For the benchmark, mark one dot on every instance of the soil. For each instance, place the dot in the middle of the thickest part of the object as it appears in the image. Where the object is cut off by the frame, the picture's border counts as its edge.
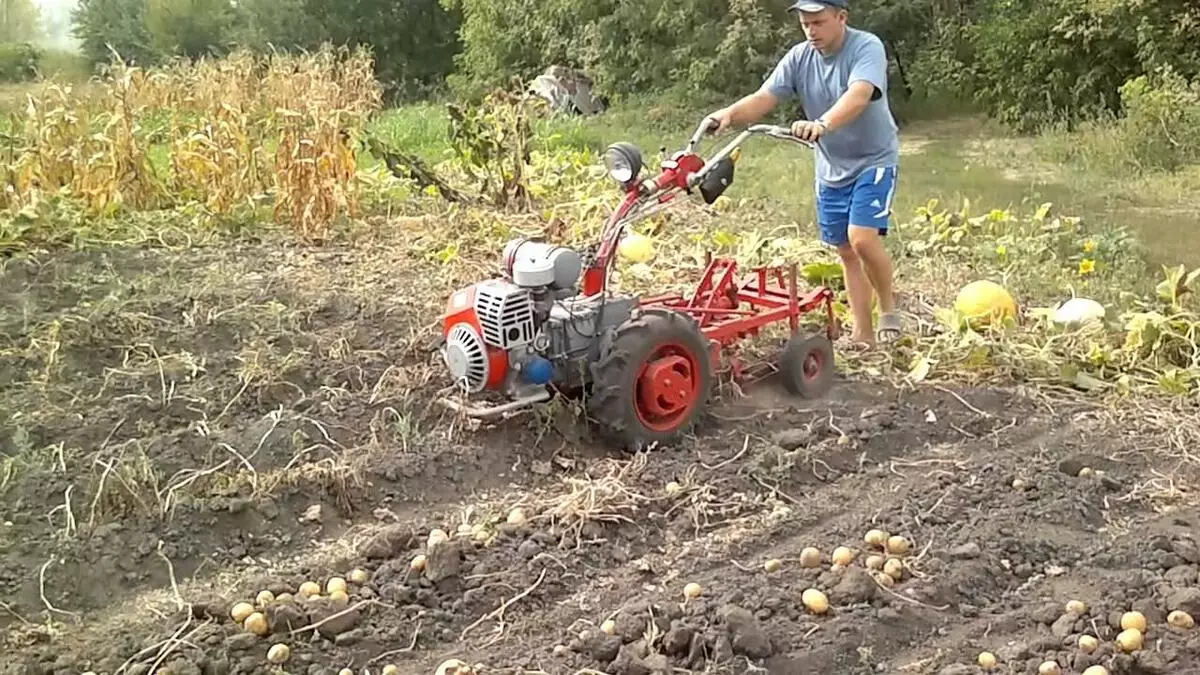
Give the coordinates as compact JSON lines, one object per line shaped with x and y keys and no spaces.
{"x":183,"y":430}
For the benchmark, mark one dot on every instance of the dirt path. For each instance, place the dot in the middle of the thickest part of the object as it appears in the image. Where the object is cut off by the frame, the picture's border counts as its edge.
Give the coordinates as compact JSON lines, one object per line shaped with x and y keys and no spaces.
{"x":187,"y":431}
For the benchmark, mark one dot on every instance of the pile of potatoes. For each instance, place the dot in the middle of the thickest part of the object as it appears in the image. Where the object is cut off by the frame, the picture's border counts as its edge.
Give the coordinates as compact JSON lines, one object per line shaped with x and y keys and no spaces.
{"x":884,"y":562}
{"x":1129,"y":640}
{"x":252,"y":617}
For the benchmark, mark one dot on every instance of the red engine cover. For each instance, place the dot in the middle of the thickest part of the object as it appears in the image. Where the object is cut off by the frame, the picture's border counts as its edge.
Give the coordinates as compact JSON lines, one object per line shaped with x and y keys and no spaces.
{"x":460,"y":309}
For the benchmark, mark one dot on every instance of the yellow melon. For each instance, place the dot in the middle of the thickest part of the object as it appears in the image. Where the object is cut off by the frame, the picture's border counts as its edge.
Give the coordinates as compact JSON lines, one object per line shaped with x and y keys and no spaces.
{"x":637,"y":248}
{"x":983,"y":302}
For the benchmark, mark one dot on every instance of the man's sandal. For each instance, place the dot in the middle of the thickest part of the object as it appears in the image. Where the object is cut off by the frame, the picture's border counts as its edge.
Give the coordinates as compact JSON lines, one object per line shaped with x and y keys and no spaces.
{"x":889,"y":329}
{"x":846,"y":343}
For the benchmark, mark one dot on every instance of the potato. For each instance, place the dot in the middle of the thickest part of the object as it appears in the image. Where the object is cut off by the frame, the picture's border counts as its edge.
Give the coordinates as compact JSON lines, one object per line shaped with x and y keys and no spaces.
{"x":773,"y":565}
{"x":339,"y":598}
{"x":884,"y":580}
{"x":436,"y":536}
{"x":264,"y":598}
{"x":875,"y":562}
{"x":1130,"y":640}
{"x":517,"y":517}
{"x":391,"y":669}
{"x":360,"y":576}
{"x":1181,"y":619}
{"x":815,"y":601}
{"x":810,"y":557}
{"x":897,"y":545}
{"x":1095,"y":670}
{"x":609,"y":627}
{"x":1088,"y":644}
{"x":1133,"y":620}
{"x":345,"y":671}
{"x":283,"y":598}
{"x":876,"y":538}
{"x":335,"y":584}
{"x":1076,"y":607}
{"x":894,"y":568}
{"x":278,"y":653}
{"x":308,"y":589}
{"x":987,"y":660}
{"x":256,"y":623}
{"x":842,"y":556}
{"x":418,"y":563}
{"x":692,"y":590}
{"x":1049,"y":668}
{"x":674,"y":489}
{"x":240,"y":611}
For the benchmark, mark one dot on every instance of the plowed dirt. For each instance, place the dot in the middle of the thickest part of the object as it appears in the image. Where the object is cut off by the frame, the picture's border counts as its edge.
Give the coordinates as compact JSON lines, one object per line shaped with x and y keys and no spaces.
{"x":183,"y":431}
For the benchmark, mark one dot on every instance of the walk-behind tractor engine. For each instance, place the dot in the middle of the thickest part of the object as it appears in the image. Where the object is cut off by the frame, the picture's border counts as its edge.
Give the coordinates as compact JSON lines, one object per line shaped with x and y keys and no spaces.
{"x":645,"y":365}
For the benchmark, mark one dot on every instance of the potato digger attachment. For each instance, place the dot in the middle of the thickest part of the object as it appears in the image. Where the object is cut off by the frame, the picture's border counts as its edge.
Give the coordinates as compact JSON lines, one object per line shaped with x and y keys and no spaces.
{"x":644,"y":365}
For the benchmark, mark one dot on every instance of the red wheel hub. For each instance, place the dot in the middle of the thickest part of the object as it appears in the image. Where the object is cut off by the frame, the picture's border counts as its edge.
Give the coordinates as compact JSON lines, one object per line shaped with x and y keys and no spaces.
{"x":668,"y":386}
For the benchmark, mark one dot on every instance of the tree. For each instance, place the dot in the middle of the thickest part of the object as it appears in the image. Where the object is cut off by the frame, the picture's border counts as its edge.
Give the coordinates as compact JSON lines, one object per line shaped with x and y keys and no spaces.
{"x":20,"y":21}
{"x":121,"y":24}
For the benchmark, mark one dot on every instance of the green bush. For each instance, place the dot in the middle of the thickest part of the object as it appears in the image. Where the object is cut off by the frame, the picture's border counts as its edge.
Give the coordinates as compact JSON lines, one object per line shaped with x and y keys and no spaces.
{"x":18,"y":62}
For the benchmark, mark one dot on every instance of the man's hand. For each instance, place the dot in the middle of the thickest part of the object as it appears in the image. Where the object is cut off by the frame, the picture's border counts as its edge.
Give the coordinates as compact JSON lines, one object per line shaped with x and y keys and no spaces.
{"x":723,"y":118}
{"x":808,"y":130}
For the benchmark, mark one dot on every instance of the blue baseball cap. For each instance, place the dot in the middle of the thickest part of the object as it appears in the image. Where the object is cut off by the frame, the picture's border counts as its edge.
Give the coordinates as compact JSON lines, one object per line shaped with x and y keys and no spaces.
{"x":819,"y":5}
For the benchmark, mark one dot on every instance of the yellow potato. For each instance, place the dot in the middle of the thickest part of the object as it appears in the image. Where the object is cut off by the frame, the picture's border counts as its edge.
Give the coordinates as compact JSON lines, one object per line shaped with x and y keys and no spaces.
{"x":1181,"y":619}
{"x":1133,"y":620}
{"x":842,"y":556}
{"x":876,"y":538}
{"x":360,"y":576}
{"x":773,"y":565}
{"x":1130,"y":640}
{"x":1076,"y":607}
{"x":987,"y":660}
{"x":692,"y":590}
{"x":815,"y":601}
{"x":897,"y":545}
{"x":257,"y":623}
{"x":1096,"y":670}
{"x":335,"y":584}
{"x":875,"y":562}
{"x":1049,"y":668}
{"x":278,"y":653}
{"x":308,"y":589}
{"x":1088,"y":644}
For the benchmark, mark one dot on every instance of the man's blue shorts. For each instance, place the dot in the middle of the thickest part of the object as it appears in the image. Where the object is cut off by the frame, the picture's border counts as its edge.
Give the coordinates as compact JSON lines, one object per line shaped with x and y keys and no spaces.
{"x":866,"y":202}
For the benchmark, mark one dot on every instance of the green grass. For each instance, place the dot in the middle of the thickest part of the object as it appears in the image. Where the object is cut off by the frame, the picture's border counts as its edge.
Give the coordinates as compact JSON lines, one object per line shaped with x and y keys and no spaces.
{"x":950,"y":159}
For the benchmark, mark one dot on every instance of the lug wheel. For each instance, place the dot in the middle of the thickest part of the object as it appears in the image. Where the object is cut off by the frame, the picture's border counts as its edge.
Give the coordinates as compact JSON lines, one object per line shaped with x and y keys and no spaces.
{"x":652,"y":379}
{"x":806,"y":365}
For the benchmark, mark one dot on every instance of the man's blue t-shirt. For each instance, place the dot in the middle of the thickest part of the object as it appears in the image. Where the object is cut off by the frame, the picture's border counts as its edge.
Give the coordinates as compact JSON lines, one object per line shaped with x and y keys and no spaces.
{"x":818,"y":81}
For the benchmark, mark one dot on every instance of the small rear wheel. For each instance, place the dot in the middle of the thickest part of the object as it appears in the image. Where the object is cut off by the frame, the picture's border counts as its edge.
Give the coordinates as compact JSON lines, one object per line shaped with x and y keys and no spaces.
{"x":652,"y":380}
{"x":806,"y":365}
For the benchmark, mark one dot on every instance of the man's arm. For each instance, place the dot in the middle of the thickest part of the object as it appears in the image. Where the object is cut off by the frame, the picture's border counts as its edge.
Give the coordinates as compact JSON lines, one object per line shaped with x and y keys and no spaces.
{"x":868,"y":81}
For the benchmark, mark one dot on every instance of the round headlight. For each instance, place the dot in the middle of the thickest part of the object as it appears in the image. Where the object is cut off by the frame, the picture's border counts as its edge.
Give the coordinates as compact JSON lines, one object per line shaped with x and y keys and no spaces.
{"x":623,"y":161}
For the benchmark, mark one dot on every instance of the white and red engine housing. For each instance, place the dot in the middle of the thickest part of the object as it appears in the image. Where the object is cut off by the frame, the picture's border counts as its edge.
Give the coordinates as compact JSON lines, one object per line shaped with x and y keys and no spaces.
{"x":483,"y":323}
{"x":492,"y":328}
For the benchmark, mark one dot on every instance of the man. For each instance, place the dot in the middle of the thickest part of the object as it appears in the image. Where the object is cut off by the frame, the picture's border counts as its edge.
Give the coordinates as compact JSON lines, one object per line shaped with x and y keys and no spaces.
{"x":840,"y":74}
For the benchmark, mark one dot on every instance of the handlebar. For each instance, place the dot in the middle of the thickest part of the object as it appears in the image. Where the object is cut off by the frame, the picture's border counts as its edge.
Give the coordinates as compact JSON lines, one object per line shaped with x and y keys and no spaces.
{"x":710,"y":124}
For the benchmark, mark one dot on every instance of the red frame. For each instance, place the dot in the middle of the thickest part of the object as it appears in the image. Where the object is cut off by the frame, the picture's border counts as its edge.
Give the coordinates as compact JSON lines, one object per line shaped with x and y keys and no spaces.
{"x":726,"y":308}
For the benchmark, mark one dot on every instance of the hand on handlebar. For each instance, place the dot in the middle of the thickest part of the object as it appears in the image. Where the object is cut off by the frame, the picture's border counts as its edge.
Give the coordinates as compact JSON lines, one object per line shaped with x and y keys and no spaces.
{"x":808,"y":130}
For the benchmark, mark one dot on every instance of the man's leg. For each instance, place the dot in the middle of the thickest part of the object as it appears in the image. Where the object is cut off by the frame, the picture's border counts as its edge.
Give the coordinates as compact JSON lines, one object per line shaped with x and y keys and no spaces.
{"x":833,"y":220}
{"x":870,"y":212}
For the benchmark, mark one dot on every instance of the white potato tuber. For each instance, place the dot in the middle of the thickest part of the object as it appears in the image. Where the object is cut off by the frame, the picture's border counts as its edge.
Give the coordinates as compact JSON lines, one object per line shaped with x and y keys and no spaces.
{"x":1181,"y":619}
{"x":517,"y":517}
{"x":987,"y":660}
{"x":1049,"y":668}
{"x":897,"y":545}
{"x":773,"y":565}
{"x":240,"y":611}
{"x":264,"y":598}
{"x":1076,"y":607}
{"x":336,"y":584}
{"x":876,"y":538}
{"x":278,"y":653}
{"x":810,"y":557}
{"x":691,"y":590}
{"x":360,"y":576}
{"x":1088,"y":644}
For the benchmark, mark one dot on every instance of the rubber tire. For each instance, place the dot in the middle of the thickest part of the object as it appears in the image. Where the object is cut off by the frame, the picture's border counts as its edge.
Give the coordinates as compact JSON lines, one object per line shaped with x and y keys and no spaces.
{"x":611,"y":404}
{"x":791,"y":365}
